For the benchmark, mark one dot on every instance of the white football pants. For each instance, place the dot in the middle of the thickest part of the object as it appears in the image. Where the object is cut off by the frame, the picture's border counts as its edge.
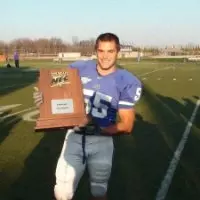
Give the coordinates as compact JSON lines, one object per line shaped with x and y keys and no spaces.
{"x":70,"y":168}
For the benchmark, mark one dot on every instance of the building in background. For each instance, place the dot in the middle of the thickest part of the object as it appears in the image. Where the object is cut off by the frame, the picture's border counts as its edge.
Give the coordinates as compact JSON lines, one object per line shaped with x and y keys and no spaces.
{"x":172,"y":51}
{"x":127,"y":52}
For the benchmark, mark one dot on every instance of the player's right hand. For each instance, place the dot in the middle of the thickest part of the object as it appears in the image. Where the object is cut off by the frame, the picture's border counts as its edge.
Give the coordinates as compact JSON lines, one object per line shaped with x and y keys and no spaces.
{"x":37,"y":96}
{"x":86,"y":122}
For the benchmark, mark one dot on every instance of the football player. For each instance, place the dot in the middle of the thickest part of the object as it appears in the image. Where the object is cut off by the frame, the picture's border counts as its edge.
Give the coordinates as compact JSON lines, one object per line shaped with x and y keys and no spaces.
{"x":110,"y":94}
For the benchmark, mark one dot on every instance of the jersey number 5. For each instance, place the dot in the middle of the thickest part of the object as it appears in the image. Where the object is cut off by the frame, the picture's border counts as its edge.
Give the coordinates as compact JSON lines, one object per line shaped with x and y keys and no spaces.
{"x":138,"y":94}
{"x":99,"y":106}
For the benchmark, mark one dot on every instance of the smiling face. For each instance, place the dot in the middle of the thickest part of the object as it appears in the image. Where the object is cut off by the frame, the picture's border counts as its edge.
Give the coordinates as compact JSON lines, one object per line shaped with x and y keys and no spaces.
{"x":107,"y":52}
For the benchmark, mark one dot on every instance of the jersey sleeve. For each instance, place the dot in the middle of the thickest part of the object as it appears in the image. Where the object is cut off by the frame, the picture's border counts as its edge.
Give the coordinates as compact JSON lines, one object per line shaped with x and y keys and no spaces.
{"x":77,"y":64}
{"x":130,"y":94}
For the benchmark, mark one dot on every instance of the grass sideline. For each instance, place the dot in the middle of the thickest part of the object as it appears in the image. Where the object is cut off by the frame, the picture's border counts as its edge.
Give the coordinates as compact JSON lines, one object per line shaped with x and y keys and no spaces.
{"x":27,"y":160}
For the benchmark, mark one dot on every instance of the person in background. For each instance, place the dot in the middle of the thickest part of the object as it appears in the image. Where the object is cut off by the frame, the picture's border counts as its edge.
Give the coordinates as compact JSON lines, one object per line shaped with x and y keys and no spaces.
{"x":16,"y":59}
{"x":7,"y":61}
{"x":138,"y":56}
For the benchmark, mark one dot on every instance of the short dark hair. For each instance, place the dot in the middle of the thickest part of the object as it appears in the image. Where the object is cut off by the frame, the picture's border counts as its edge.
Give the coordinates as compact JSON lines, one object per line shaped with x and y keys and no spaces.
{"x":108,"y":37}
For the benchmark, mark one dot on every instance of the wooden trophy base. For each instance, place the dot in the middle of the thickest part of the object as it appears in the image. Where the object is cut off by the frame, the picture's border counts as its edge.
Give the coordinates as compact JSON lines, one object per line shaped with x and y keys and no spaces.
{"x":43,"y":124}
{"x":63,"y":99}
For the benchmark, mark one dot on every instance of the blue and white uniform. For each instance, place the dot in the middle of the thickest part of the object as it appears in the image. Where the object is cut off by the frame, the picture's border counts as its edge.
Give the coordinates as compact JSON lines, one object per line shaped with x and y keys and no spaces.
{"x":104,"y":96}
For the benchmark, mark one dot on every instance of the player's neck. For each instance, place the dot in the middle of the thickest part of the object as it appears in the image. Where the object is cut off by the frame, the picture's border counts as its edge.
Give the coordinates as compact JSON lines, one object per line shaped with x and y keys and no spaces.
{"x":104,"y":72}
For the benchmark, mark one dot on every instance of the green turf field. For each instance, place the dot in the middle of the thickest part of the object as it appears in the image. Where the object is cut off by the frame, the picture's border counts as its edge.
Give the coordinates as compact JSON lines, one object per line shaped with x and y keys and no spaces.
{"x":171,"y":90}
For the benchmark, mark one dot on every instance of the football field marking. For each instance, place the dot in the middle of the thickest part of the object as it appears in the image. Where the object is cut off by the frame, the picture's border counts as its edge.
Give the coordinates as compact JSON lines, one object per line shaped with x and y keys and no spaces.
{"x":162,"y":192}
{"x":16,"y":113}
{"x":153,"y":71}
{"x":7,"y":107}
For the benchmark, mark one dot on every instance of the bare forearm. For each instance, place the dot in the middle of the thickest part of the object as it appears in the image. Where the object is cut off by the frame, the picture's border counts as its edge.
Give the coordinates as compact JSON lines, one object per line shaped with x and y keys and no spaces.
{"x":119,"y":128}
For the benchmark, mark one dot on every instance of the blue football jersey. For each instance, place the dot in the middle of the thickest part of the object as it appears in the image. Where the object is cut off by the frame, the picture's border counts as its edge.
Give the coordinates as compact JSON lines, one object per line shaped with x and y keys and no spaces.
{"x":104,"y":95}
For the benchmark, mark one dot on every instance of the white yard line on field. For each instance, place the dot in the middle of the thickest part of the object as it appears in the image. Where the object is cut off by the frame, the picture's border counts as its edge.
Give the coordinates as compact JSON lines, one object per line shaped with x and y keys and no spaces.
{"x":16,"y":113}
{"x":162,"y":192}
{"x":7,"y":107}
{"x":153,"y":71}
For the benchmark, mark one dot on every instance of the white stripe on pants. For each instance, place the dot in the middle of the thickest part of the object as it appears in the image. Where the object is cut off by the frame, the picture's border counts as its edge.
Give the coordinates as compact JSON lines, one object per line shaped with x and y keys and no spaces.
{"x":99,"y":153}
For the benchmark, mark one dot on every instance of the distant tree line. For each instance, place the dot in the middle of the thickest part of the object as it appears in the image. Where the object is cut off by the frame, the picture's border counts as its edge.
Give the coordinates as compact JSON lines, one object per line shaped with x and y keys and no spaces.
{"x":54,"y":45}
{"x":46,"y":46}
